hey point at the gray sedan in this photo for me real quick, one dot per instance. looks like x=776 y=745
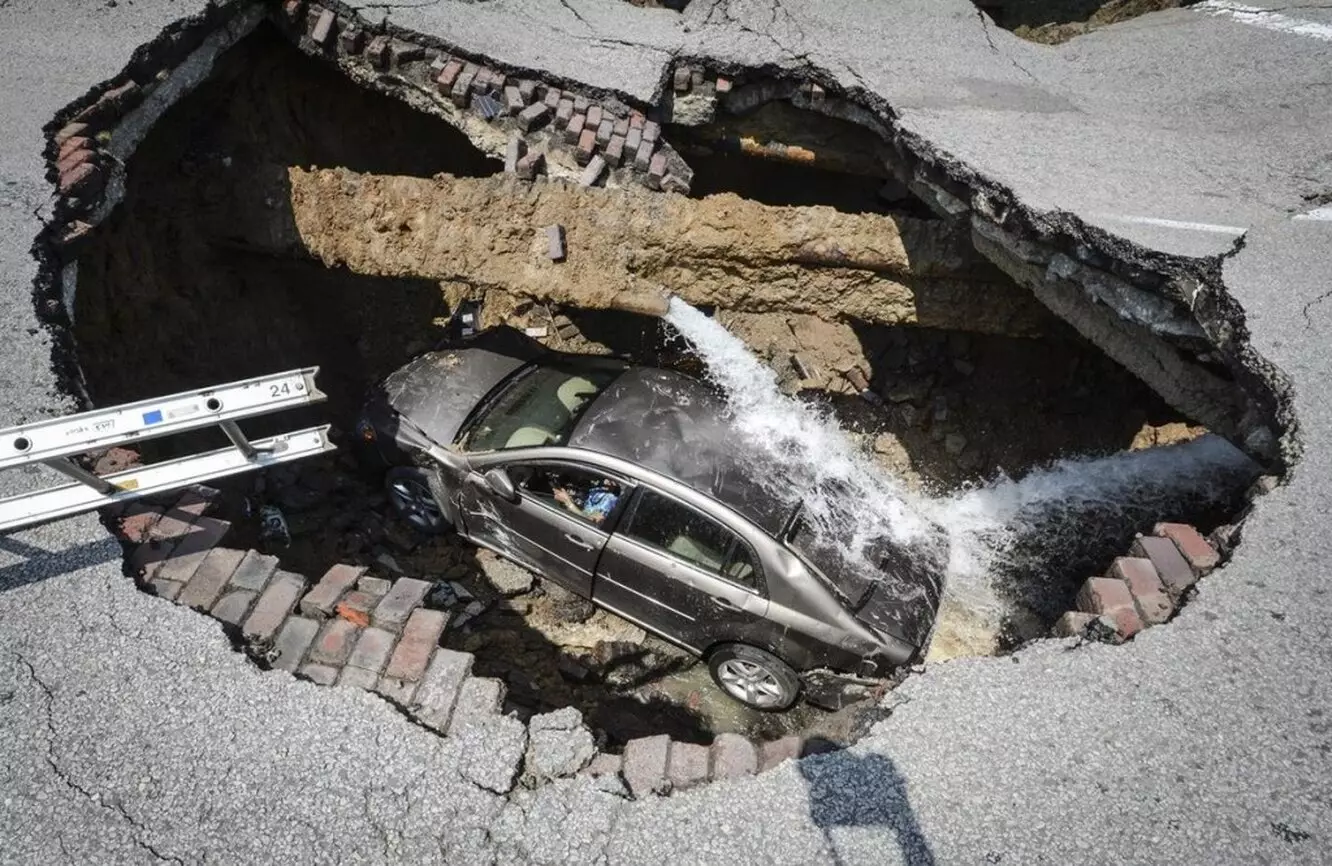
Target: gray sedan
x=625 y=485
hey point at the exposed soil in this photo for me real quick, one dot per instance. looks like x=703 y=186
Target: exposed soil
x=1054 y=21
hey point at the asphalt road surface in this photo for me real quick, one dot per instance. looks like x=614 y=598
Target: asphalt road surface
x=132 y=732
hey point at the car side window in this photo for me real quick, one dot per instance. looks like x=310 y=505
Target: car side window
x=582 y=492
x=678 y=529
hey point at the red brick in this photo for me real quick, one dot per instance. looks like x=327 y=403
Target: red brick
x=372 y=649
x=632 y=141
x=273 y=606
x=136 y=524
x=81 y=178
x=1145 y=585
x=651 y=130
x=594 y=116
x=351 y=40
x=723 y=85
x=643 y=157
x=587 y=145
x=448 y=75
x=356 y=606
x=292 y=642
x=187 y=552
x=615 y=150
x=1106 y=595
x=334 y=643
x=1073 y=623
x=581 y=104
x=513 y=100
x=78 y=142
x=73 y=159
x=378 y=51
x=320 y=601
x=210 y=577
x=604 y=132
x=554 y=98
x=395 y=608
x=657 y=171
x=733 y=756
x=324 y=675
x=232 y=607
x=530 y=165
x=646 y=761
x=636 y=120
x=1170 y=563
x=419 y=639
x=574 y=128
x=533 y=116
x=604 y=764
x=1199 y=554
x=563 y=111
x=621 y=126
x=462 y=87
x=68 y=131
x=527 y=89
x=178 y=519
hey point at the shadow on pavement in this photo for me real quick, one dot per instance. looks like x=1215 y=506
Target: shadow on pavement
x=850 y=790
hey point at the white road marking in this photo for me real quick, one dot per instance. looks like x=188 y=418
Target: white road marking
x=1258 y=17
x=1175 y=224
x=1322 y=214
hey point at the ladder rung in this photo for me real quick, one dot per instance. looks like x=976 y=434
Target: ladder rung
x=70 y=499
x=146 y=419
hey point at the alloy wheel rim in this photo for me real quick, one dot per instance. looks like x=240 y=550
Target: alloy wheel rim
x=415 y=504
x=750 y=682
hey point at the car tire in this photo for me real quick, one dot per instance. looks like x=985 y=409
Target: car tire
x=410 y=495
x=754 y=677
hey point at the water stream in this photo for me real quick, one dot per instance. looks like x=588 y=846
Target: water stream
x=1009 y=540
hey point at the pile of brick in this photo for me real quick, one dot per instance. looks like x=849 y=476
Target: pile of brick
x=1144 y=588
x=356 y=630
x=602 y=136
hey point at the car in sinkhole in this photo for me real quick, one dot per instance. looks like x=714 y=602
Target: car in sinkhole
x=625 y=485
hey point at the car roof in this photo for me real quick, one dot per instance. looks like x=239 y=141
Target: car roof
x=676 y=425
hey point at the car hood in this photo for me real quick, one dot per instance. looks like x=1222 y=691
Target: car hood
x=438 y=391
x=902 y=597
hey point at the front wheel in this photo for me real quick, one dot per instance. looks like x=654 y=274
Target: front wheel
x=754 y=677
x=408 y=490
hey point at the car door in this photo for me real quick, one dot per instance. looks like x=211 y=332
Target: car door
x=535 y=528
x=673 y=569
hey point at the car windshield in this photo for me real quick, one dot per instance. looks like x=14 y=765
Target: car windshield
x=542 y=405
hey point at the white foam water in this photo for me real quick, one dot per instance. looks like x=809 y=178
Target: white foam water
x=1005 y=530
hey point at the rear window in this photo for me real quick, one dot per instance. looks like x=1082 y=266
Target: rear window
x=542 y=406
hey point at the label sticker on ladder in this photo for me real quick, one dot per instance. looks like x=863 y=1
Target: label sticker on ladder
x=153 y=417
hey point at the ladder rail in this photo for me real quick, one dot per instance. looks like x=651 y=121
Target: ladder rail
x=49 y=440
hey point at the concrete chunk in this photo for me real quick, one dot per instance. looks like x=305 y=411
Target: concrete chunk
x=555 y=243
x=405 y=596
x=595 y=167
x=435 y=699
x=321 y=600
x=559 y=744
x=688 y=765
x=292 y=642
x=491 y=751
x=774 y=752
x=273 y=606
x=479 y=698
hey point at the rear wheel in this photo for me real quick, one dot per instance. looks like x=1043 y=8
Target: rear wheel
x=408 y=490
x=754 y=677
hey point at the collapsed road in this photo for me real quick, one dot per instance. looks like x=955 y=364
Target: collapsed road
x=116 y=734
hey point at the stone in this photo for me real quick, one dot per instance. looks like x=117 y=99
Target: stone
x=688 y=765
x=232 y=607
x=490 y=752
x=1169 y=562
x=293 y=641
x=321 y=600
x=321 y=674
x=604 y=764
x=358 y=678
x=646 y=761
x=1154 y=606
x=254 y=571
x=403 y=53
x=377 y=586
x=531 y=165
x=393 y=610
x=1073 y=623
x=323 y=27
x=508 y=578
x=774 y=752
x=676 y=184
x=479 y=698
x=334 y=643
x=378 y=51
x=372 y=650
x=356 y=607
x=188 y=551
x=512 y=153
x=1111 y=597
x=513 y=100
x=533 y=117
x=438 y=693
x=572 y=670
x=733 y=756
x=681 y=79
x=558 y=745
x=1195 y=549
x=595 y=167
x=351 y=40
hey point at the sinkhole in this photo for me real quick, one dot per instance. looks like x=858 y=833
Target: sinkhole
x=282 y=215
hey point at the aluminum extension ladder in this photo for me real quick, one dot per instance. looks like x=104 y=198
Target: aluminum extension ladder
x=54 y=441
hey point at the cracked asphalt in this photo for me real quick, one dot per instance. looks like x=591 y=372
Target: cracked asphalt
x=134 y=733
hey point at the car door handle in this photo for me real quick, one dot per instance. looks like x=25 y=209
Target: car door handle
x=576 y=541
x=724 y=603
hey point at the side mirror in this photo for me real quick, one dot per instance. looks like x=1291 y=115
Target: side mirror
x=501 y=484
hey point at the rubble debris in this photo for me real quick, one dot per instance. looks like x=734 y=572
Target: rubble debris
x=555 y=242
